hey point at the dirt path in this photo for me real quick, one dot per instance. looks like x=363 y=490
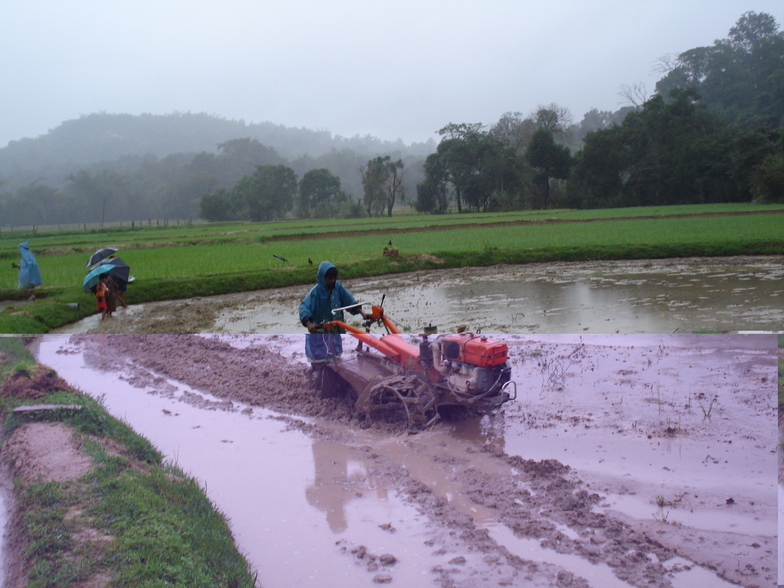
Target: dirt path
x=668 y=448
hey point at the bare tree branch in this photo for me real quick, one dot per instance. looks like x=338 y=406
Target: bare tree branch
x=635 y=95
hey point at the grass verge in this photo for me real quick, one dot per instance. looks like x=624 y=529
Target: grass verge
x=130 y=520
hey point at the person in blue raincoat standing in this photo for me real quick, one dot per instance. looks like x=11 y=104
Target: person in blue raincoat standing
x=316 y=308
x=29 y=274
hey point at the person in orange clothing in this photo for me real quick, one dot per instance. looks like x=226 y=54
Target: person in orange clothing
x=101 y=289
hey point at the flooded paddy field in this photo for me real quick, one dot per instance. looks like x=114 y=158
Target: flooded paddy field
x=626 y=460
x=640 y=296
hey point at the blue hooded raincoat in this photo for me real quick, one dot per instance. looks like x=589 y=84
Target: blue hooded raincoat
x=29 y=274
x=317 y=306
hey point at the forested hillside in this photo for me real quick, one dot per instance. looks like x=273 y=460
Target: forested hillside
x=115 y=167
x=712 y=132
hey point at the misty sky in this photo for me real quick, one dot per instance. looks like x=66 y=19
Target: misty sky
x=392 y=69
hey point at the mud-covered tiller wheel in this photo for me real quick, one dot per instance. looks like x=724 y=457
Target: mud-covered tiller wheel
x=403 y=400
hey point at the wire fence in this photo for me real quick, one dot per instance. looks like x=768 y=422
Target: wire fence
x=98 y=226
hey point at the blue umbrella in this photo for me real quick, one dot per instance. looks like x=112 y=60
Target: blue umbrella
x=91 y=279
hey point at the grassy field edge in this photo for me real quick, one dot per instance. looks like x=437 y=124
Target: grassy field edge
x=131 y=520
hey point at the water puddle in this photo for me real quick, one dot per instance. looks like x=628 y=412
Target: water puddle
x=529 y=549
x=781 y=535
x=640 y=508
x=684 y=574
x=598 y=297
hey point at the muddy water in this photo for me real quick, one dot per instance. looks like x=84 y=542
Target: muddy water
x=781 y=535
x=644 y=296
x=290 y=499
x=596 y=297
x=688 y=418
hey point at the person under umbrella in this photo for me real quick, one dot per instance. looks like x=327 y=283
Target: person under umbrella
x=101 y=290
x=111 y=293
x=119 y=276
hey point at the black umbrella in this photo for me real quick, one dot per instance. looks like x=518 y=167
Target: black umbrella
x=101 y=254
x=121 y=271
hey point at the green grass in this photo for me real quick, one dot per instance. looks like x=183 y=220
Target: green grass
x=184 y=261
x=154 y=525
x=86 y=242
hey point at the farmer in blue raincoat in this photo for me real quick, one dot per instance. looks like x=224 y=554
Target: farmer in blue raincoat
x=29 y=274
x=316 y=308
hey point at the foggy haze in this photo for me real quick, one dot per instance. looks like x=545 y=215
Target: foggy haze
x=394 y=70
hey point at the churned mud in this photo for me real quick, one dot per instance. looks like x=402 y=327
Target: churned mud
x=639 y=296
x=626 y=460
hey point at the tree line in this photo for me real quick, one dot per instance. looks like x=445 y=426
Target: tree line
x=273 y=191
x=712 y=133
x=141 y=188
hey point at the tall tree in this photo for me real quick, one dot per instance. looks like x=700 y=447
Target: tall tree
x=549 y=159
x=394 y=184
x=478 y=166
x=432 y=192
x=374 y=179
x=319 y=194
x=460 y=150
x=553 y=118
x=381 y=181
x=266 y=194
x=767 y=177
x=514 y=130
x=215 y=207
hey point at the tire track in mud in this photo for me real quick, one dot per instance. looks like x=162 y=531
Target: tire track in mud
x=543 y=505
x=501 y=519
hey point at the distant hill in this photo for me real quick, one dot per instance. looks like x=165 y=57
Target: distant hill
x=104 y=138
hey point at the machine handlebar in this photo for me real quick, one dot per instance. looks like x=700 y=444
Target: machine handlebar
x=376 y=315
